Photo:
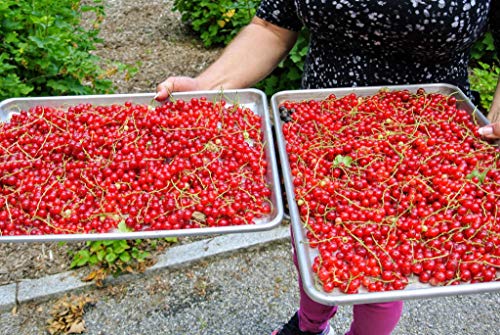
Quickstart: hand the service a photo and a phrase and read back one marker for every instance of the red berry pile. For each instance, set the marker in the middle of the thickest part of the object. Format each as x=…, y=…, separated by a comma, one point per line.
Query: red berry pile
x=91, y=169
x=392, y=188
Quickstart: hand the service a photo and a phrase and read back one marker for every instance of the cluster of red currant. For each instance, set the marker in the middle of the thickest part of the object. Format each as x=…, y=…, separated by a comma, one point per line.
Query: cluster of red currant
x=184, y=164
x=394, y=185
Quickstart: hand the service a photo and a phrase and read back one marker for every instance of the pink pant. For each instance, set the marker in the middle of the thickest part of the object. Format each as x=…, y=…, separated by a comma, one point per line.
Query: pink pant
x=368, y=319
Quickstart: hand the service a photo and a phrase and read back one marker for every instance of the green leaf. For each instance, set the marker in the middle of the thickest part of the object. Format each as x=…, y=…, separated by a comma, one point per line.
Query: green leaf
x=93, y=260
x=272, y=81
x=480, y=175
x=153, y=244
x=118, y=249
x=294, y=74
x=11, y=38
x=342, y=160
x=136, y=253
x=96, y=246
x=122, y=227
x=38, y=41
x=142, y=255
x=73, y=264
x=135, y=250
x=110, y=258
x=125, y=257
x=100, y=255
x=489, y=42
x=171, y=239
x=296, y=58
x=81, y=258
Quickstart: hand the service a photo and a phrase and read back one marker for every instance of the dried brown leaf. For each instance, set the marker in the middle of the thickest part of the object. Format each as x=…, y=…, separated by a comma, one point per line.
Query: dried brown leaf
x=77, y=327
x=199, y=216
x=97, y=275
x=67, y=316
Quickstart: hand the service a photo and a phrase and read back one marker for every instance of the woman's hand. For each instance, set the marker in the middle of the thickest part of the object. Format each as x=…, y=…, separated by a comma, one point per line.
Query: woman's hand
x=490, y=131
x=175, y=84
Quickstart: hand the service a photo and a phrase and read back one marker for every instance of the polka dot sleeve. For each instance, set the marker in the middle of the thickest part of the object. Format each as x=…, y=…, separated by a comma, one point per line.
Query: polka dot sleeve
x=282, y=13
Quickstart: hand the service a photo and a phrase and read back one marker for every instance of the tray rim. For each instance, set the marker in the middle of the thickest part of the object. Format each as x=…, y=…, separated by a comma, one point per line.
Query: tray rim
x=140, y=94
x=300, y=240
x=261, y=100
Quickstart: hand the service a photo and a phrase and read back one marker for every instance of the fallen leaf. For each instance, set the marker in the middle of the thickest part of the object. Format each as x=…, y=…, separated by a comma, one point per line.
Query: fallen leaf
x=77, y=328
x=67, y=316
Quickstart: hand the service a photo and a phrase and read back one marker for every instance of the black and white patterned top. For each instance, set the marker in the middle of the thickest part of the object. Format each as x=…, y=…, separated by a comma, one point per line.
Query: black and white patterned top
x=384, y=42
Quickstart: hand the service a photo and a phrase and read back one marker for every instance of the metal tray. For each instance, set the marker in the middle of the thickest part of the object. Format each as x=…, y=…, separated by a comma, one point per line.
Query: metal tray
x=254, y=99
x=306, y=255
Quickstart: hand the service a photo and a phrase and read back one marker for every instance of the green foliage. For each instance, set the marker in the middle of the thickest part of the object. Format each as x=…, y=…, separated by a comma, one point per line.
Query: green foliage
x=479, y=175
x=484, y=70
x=216, y=22
x=45, y=51
x=288, y=74
x=114, y=255
x=484, y=78
x=484, y=49
x=342, y=160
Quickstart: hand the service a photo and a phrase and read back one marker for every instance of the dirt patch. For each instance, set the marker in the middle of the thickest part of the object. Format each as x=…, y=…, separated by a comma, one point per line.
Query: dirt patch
x=141, y=33
x=148, y=35
x=32, y=260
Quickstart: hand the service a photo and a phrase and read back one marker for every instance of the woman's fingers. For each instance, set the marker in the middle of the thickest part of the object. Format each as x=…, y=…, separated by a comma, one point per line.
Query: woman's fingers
x=175, y=84
x=490, y=131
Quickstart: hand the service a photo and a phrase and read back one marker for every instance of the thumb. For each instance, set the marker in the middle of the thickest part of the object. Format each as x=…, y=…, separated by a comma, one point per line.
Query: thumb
x=490, y=131
x=175, y=84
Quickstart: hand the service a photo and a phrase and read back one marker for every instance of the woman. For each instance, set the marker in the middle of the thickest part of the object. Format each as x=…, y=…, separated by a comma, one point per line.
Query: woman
x=354, y=43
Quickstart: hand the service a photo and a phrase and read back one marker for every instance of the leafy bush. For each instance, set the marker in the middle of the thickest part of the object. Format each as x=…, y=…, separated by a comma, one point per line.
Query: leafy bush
x=114, y=257
x=46, y=51
x=216, y=22
x=484, y=49
x=484, y=78
x=484, y=70
x=114, y=254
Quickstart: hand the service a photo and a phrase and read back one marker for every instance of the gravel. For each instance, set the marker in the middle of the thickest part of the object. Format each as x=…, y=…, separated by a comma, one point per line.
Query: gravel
x=150, y=36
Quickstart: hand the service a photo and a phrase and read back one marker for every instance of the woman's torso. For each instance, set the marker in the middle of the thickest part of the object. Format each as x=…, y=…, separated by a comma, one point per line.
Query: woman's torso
x=359, y=43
